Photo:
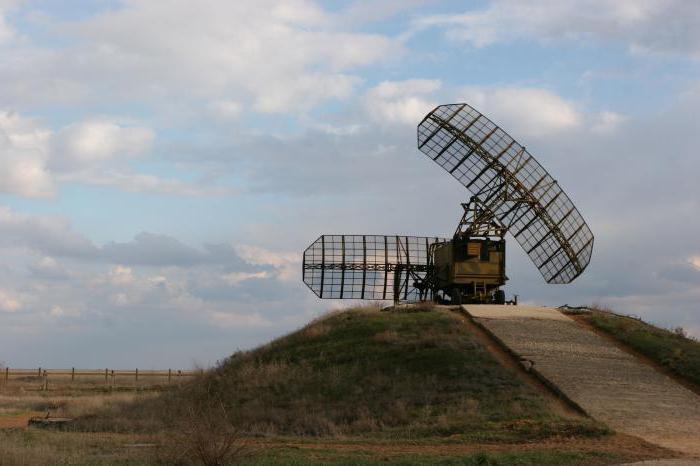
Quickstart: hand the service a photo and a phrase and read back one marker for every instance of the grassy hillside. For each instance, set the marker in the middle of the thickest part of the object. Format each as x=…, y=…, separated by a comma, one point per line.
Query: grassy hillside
x=390, y=375
x=671, y=349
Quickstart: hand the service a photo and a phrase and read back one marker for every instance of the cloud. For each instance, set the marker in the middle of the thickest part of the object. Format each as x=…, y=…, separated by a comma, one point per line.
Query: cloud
x=235, y=320
x=607, y=122
x=236, y=278
x=62, y=312
x=152, y=249
x=48, y=268
x=92, y=151
x=271, y=56
x=226, y=109
x=695, y=262
x=158, y=250
x=526, y=111
x=6, y=31
x=402, y=102
x=683, y=272
x=23, y=155
x=129, y=181
x=632, y=22
x=8, y=302
x=287, y=264
x=45, y=235
x=50, y=237
x=98, y=140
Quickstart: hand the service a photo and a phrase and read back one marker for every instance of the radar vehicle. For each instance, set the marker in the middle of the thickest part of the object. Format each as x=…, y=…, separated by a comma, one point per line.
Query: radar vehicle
x=510, y=193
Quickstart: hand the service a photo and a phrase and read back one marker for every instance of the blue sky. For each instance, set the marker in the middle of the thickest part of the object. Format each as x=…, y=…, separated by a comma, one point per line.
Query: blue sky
x=166, y=163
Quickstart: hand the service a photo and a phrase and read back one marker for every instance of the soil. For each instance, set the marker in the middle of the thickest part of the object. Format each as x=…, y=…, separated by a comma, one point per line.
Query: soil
x=13, y=421
x=632, y=448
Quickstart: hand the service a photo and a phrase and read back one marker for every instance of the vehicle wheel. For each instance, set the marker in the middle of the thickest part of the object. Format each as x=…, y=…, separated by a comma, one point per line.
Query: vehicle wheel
x=499, y=297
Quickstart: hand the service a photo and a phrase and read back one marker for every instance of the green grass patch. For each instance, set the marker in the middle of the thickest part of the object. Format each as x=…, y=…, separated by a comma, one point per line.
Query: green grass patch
x=361, y=374
x=671, y=349
x=359, y=457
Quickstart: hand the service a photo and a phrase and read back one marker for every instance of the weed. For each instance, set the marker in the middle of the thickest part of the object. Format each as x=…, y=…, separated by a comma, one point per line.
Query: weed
x=670, y=348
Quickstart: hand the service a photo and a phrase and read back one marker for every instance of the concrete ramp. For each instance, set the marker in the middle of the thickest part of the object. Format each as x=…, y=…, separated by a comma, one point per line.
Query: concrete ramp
x=611, y=385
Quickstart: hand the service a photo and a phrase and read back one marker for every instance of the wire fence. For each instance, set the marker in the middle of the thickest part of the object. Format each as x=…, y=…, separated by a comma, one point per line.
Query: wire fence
x=44, y=378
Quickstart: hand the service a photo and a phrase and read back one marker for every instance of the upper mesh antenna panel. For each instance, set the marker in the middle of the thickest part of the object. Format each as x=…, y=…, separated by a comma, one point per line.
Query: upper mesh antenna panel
x=513, y=185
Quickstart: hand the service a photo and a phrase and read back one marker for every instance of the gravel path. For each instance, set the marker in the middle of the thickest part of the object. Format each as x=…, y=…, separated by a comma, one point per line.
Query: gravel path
x=609, y=384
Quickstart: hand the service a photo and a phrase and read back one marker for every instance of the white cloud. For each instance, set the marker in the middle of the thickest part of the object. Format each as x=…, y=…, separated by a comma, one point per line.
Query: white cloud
x=23, y=155
x=648, y=26
x=341, y=130
x=607, y=121
x=47, y=235
x=401, y=102
x=285, y=263
x=143, y=183
x=9, y=302
x=270, y=55
x=35, y=158
x=60, y=311
x=120, y=275
x=238, y=320
x=6, y=32
x=98, y=140
x=303, y=12
x=526, y=111
x=226, y=109
x=303, y=92
x=235, y=278
x=694, y=261
x=48, y=267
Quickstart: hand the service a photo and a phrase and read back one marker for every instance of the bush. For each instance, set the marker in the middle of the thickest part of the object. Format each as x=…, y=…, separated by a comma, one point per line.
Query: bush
x=204, y=434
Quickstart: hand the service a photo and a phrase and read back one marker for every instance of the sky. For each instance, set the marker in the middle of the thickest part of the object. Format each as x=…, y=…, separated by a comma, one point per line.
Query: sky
x=165, y=163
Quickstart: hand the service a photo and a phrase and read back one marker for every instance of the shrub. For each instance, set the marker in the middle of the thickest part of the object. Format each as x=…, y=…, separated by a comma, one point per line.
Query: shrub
x=204, y=434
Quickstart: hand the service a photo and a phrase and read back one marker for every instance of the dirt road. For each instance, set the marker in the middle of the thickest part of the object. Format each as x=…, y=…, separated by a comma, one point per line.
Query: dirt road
x=610, y=384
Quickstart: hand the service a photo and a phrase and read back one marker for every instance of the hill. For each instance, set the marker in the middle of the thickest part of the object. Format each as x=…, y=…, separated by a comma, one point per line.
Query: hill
x=363, y=372
x=365, y=385
x=394, y=374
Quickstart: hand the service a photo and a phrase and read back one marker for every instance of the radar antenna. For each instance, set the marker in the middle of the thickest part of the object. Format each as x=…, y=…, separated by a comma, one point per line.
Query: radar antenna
x=368, y=266
x=509, y=182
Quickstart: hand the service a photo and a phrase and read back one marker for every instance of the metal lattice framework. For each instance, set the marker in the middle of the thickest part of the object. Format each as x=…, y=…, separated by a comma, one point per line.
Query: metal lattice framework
x=509, y=182
x=367, y=266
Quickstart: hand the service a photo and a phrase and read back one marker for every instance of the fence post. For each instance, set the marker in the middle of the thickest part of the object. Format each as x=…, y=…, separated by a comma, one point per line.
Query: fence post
x=7, y=374
x=72, y=374
x=106, y=371
x=170, y=374
x=113, y=378
x=39, y=373
x=137, y=374
x=46, y=380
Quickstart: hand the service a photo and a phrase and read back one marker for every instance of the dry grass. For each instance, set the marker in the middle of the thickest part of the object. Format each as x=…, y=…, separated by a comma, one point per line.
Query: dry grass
x=30, y=447
x=401, y=374
x=63, y=383
x=66, y=405
x=672, y=349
